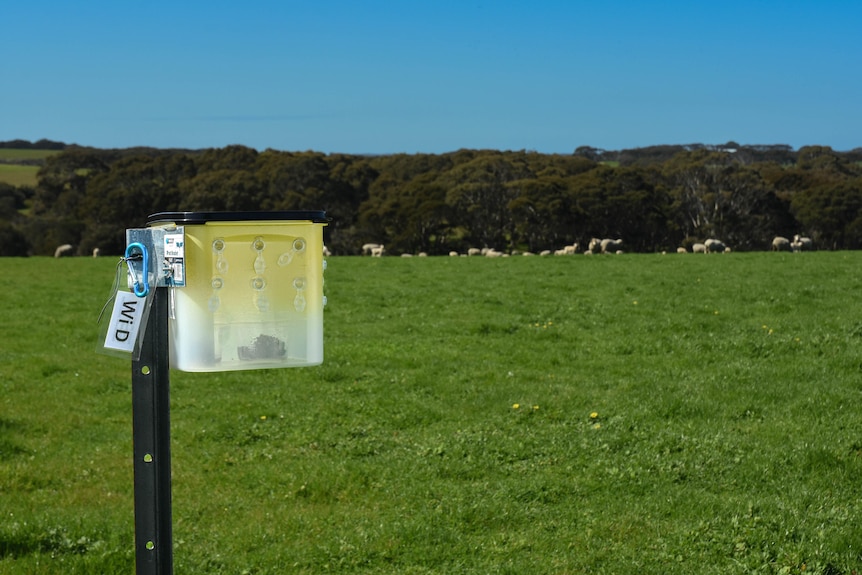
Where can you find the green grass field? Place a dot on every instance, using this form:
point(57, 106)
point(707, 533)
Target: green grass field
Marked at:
point(623, 414)
point(18, 175)
point(13, 172)
point(14, 154)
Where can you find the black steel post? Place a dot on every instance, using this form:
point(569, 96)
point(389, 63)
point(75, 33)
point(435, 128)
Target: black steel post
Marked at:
point(151, 435)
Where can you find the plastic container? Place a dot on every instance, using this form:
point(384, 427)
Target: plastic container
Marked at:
point(247, 289)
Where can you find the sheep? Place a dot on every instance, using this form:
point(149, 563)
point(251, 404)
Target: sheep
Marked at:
point(96, 252)
point(545, 253)
point(368, 249)
point(595, 245)
point(474, 252)
point(453, 254)
point(698, 248)
point(714, 246)
point(62, 251)
point(572, 249)
point(378, 251)
point(326, 252)
point(802, 243)
point(780, 244)
point(610, 246)
point(681, 250)
point(492, 253)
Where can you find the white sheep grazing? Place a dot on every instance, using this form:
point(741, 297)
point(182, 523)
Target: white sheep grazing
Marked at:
point(714, 246)
point(96, 252)
point(453, 254)
point(378, 251)
point(610, 246)
point(62, 251)
point(571, 250)
point(545, 253)
point(681, 250)
point(595, 245)
point(368, 249)
point(803, 243)
point(474, 252)
point(492, 253)
point(326, 252)
point(698, 248)
point(780, 244)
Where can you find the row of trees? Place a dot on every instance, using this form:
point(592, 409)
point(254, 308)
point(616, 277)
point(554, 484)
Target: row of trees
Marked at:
point(654, 200)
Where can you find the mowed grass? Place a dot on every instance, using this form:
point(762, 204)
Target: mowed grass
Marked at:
point(622, 414)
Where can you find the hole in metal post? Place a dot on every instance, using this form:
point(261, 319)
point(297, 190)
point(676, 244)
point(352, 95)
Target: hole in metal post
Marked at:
point(145, 370)
point(148, 458)
point(150, 545)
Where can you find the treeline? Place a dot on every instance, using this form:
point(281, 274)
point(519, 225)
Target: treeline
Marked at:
point(42, 144)
point(654, 198)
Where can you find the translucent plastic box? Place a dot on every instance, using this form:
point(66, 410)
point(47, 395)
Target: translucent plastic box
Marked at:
point(247, 289)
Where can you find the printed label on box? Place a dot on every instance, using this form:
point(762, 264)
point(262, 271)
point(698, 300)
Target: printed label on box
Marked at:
point(175, 251)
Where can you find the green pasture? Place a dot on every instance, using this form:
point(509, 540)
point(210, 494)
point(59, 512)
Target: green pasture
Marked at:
point(18, 175)
point(623, 414)
point(16, 154)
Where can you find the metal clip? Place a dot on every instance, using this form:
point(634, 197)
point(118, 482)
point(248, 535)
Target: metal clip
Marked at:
point(140, 287)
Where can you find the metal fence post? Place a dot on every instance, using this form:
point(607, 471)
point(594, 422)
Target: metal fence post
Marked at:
point(151, 437)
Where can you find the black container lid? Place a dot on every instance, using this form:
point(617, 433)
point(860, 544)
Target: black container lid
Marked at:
point(191, 218)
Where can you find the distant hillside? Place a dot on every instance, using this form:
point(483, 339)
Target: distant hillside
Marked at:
point(42, 144)
point(20, 160)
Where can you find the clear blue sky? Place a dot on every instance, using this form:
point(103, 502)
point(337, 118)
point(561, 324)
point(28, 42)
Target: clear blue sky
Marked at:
point(360, 76)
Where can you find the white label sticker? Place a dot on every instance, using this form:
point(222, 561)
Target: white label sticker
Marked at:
point(175, 252)
point(125, 321)
point(174, 245)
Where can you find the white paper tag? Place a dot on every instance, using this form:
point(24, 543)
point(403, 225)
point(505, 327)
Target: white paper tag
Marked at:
point(125, 321)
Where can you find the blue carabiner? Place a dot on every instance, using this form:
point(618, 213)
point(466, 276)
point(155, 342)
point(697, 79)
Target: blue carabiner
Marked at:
point(141, 287)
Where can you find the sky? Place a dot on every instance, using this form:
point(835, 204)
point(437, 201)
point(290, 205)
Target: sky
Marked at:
point(435, 76)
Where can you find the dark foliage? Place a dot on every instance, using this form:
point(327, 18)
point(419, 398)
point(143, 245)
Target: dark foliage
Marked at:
point(654, 198)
